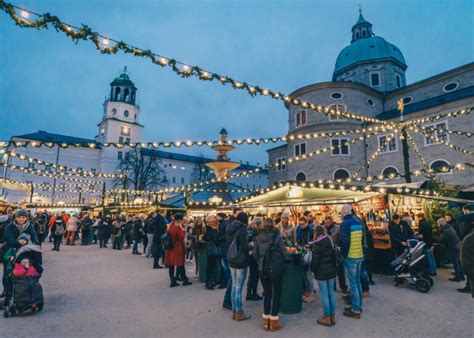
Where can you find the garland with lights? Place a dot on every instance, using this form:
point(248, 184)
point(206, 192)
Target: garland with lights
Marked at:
point(104, 45)
point(450, 132)
point(14, 185)
point(452, 114)
point(418, 152)
point(189, 143)
point(74, 171)
point(447, 144)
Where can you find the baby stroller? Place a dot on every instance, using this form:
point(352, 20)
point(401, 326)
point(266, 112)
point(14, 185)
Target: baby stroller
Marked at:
point(411, 267)
point(26, 293)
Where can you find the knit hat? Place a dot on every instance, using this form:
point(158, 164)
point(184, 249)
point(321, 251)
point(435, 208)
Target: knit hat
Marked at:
point(285, 214)
point(21, 213)
point(178, 217)
point(242, 217)
point(346, 209)
point(441, 222)
point(24, 236)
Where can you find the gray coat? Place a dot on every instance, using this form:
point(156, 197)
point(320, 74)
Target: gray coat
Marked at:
point(262, 242)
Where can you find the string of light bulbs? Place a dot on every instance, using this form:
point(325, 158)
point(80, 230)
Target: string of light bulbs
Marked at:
point(450, 132)
point(451, 114)
point(58, 167)
point(417, 151)
point(447, 144)
point(107, 45)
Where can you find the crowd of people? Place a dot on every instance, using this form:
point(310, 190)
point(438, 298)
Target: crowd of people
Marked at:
point(260, 248)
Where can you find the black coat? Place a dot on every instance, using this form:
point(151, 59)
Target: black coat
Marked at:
point(103, 228)
point(211, 236)
point(399, 233)
point(159, 228)
point(240, 230)
point(369, 248)
point(468, 225)
point(426, 230)
point(323, 261)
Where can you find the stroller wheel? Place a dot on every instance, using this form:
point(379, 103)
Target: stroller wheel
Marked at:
point(430, 280)
point(39, 308)
point(422, 285)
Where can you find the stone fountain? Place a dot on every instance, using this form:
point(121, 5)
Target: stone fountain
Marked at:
point(222, 166)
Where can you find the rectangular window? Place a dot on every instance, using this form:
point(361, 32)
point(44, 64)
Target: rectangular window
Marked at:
point(300, 149)
point(337, 108)
point(182, 180)
point(435, 132)
point(47, 168)
point(127, 140)
point(120, 139)
point(127, 156)
point(173, 180)
point(281, 163)
point(120, 155)
point(340, 147)
point(375, 79)
point(125, 131)
point(386, 146)
point(399, 81)
point(301, 118)
point(93, 170)
point(31, 165)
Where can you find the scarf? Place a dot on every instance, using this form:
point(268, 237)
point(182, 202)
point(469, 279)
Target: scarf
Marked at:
point(22, 227)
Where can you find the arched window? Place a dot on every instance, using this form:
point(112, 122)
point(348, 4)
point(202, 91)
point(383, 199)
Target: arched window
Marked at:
point(117, 94)
point(126, 95)
point(114, 111)
point(441, 167)
point(341, 175)
point(126, 113)
point(301, 177)
point(390, 172)
point(357, 35)
point(364, 33)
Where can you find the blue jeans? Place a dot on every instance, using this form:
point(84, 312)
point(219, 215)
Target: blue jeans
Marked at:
point(353, 268)
point(431, 262)
point(326, 287)
point(228, 278)
point(238, 280)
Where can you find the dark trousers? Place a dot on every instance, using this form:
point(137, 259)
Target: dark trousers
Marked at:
point(341, 277)
point(180, 273)
point(117, 243)
point(85, 236)
point(211, 265)
point(57, 242)
point(456, 260)
point(364, 278)
point(272, 294)
point(252, 282)
point(102, 242)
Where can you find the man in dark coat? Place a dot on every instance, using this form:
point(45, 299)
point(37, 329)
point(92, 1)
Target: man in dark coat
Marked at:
point(159, 229)
point(86, 225)
point(400, 233)
point(333, 230)
point(450, 240)
point(467, 260)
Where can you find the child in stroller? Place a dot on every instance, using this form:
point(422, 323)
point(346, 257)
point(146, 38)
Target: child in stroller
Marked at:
point(411, 266)
point(24, 271)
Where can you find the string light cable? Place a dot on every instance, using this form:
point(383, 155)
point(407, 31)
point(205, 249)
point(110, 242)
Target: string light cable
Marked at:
point(107, 45)
point(447, 144)
point(75, 171)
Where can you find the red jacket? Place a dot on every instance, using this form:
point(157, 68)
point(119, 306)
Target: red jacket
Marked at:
point(176, 256)
point(21, 271)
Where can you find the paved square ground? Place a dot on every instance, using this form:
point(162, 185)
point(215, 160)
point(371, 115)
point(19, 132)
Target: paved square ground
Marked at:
point(92, 292)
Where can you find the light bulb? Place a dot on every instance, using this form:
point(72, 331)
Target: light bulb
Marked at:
point(24, 14)
point(105, 41)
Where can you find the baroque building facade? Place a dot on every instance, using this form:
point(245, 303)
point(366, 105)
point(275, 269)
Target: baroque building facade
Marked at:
point(369, 79)
point(120, 123)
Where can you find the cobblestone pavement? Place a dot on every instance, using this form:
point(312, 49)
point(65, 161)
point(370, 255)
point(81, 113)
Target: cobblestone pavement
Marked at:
point(92, 292)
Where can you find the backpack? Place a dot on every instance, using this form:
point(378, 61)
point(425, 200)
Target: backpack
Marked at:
point(273, 261)
point(235, 254)
point(167, 242)
point(59, 229)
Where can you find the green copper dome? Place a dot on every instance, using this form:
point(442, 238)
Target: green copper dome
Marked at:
point(368, 49)
point(123, 80)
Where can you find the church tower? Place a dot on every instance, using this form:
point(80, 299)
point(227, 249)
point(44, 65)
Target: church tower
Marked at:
point(120, 121)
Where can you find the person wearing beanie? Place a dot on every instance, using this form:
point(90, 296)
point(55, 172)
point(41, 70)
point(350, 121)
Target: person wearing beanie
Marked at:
point(175, 256)
point(286, 229)
point(450, 240)
point(400, 233)
point(350, 241)
point(238, 255)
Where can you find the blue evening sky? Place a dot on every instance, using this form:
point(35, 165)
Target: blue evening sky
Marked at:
point(48, 83)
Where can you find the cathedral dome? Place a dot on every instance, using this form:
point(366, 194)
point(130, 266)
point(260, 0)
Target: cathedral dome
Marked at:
point(371, 48)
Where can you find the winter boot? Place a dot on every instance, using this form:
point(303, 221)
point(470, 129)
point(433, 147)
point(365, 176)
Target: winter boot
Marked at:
point(275, 324)
point(266, 322)
point(173, 283)
point(333, 320)
point(241, 316)
point(325, 321)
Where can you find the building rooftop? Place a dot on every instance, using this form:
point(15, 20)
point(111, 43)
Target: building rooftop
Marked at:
point(44, 136)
